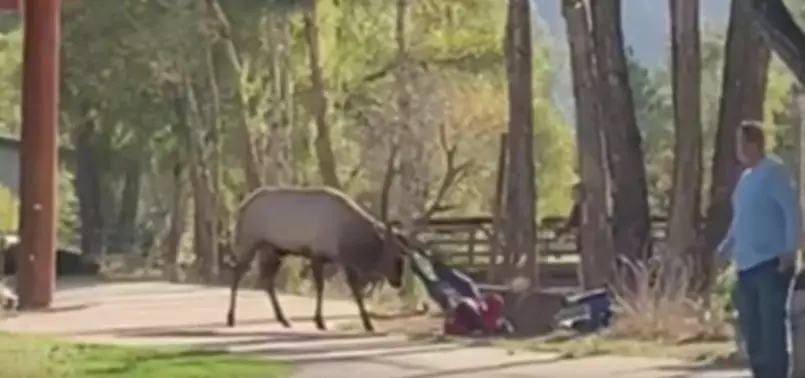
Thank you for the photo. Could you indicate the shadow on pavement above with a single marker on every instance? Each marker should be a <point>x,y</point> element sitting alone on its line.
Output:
<point>373,353</point>
<point>724,368</point>
<point>492,369</point>
<point>65,284</point>
<point>124,289</point>
<point>145,331</point>
<point>268,335</point>
<point>317,347</point>
<point>60,309</point>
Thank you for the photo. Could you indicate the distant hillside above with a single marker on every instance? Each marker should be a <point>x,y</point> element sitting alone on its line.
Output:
<point>646,30</point>
<point>645,24</point>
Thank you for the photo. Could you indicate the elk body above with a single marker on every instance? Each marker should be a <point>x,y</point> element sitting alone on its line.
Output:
<point>323,225</point>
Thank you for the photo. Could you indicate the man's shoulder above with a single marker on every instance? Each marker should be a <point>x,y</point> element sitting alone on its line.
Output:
<point>774,161</point>
<point>775,171</point>
<point>774,164</point>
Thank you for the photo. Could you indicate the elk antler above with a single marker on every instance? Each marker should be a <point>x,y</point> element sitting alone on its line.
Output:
<point>453,174</point>
<point>388,181</point>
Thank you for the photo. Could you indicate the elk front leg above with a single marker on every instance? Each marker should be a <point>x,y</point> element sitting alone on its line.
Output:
<point>317,268</point>
<point>270,263</point>
<point>238,270</point>
<point>356,286</point>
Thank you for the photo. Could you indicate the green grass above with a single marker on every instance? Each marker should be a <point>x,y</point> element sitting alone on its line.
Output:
<point>35,357</point>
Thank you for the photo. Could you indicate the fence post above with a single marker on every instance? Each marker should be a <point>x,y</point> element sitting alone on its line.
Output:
<point>497,212</point>
<point>471,247</point>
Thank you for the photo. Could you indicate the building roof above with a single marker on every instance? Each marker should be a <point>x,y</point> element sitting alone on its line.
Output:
<point>10,142</point>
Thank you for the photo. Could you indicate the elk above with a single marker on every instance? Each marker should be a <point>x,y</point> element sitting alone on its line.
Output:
<point>325,226</point>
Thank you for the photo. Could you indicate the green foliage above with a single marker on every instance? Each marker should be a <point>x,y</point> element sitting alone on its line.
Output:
<point>10,64</point>
<point>554,146</point>
<point>654,111</point>
<point>68,209</point>
<point>797,10</point>
<point>724,291</point>
<point>123,63</point>
<point>9,210</point>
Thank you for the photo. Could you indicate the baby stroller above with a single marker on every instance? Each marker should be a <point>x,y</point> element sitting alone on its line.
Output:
<point>466,310</point>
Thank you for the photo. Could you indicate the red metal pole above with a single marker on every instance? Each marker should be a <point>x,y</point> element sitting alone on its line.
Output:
<point>36,269</point>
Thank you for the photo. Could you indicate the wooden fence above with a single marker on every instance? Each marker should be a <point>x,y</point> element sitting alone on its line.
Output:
<point>468,244</point>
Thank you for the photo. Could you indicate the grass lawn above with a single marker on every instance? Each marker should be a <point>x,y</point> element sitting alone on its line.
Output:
<point>36,357</point>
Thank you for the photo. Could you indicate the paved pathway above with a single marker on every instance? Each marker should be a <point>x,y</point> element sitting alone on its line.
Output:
<point>159,313</point>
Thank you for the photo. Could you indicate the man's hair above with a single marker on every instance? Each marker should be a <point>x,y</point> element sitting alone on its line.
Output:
<point>752,132</point>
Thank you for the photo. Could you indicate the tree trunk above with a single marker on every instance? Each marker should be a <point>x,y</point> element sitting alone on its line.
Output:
<point>631,223</point>
<point>204,213</point>
<point>746,65</point>
<point>216,217</point>
<point>323,144</point>
<point>798,106</point>
<point>685,212</point>
<point>206,257</point>
<point>177,226</point>
<point>595,238</point>
<point>126,230</point>
<point>520,227</point>
<point>286,95</point>
<point>88,189</point>
<point>228,72</point>
<point>402,78</point>
<point>276,159</point>
<point>189,126</point>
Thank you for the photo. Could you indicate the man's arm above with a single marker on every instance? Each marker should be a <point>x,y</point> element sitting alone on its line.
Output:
<point>786,199</point>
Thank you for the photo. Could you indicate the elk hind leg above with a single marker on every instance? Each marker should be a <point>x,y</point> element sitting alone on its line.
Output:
<point>270,263</point>
<point>356,286</point>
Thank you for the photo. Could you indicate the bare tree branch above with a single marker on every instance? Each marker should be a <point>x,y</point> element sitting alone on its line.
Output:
<point>352,175</point>
<point>454,173</point>
<point>388,181</point>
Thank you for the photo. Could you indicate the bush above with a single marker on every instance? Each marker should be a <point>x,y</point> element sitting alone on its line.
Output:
<point>657,305</point>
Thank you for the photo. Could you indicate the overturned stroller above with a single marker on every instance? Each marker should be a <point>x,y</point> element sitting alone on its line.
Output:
<point>467,311</point>
<point>586,312</point>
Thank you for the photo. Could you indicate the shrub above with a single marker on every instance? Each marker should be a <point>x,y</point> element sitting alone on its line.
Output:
<point>657,305</point>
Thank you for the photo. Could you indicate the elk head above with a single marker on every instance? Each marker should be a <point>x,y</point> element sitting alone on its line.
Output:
<point>392,259</point>
<point>397,243</point>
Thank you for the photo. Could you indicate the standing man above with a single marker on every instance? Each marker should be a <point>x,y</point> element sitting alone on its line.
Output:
<point>762,240</point>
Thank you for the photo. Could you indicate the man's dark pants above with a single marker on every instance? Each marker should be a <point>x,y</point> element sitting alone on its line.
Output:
<point>761,299</point>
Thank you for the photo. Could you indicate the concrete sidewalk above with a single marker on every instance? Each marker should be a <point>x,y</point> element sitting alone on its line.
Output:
<point>161,313</point>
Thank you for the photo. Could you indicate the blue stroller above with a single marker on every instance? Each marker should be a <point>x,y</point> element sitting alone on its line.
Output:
<point>443,283</point>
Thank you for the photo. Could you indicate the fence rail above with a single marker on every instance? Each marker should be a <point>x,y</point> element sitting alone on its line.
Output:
<point>468,244</point>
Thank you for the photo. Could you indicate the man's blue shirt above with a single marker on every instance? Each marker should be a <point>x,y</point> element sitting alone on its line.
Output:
<point>765,216</point>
